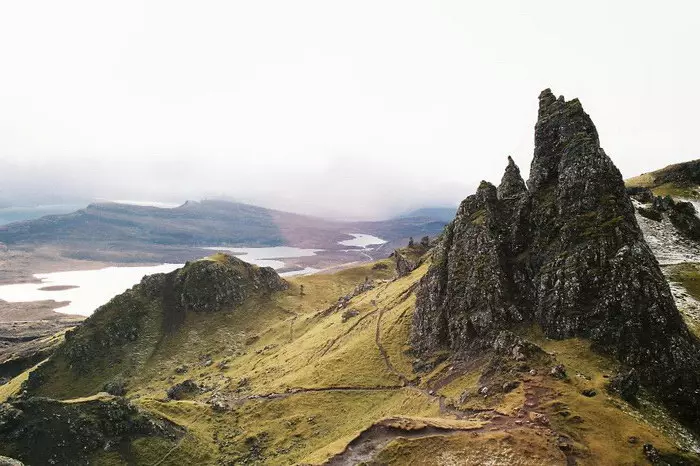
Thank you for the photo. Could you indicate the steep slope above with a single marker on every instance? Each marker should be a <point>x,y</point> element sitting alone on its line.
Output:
<point>567,254</point>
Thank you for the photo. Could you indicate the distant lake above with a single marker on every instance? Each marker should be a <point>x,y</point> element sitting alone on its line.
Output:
<point>85,289</point>
<point>362,240</point>
<point>89,289</point>
<point>267,257</point>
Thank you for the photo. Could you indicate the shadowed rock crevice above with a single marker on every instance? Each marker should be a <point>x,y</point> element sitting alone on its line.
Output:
<point>565,253</point>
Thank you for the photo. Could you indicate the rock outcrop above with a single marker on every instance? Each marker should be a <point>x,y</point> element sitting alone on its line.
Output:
<point>44,431</point>
<point>566,253</point>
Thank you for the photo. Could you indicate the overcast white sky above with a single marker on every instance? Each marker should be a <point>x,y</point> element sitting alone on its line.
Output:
<point>357,108</point>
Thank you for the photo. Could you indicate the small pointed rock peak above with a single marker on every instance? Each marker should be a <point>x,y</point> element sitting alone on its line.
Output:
<point>561,127</point>
<point>512,183</point>
<point>486,191</point>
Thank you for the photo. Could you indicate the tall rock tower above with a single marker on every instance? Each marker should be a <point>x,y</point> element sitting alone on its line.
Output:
<point>565,253</point>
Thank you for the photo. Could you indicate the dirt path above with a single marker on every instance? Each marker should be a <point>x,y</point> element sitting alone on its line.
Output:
<point>373,440</point>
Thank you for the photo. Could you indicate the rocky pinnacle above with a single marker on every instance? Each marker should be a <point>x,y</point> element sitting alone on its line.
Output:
<point>565,253</point>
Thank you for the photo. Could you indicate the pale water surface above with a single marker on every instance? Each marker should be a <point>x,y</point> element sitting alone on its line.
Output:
<point>94,287</point>
<point>362,240</point>
<point>267,257</point>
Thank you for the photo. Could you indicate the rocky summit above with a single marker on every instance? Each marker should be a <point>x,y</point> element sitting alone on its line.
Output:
<point>564,252</point>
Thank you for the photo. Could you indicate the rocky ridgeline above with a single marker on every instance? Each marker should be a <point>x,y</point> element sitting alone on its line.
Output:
<point>565,252</point>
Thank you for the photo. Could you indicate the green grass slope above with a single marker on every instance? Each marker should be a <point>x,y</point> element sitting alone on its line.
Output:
<point>681,180</point>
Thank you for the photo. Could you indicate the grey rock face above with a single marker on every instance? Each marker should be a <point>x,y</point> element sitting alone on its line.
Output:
<point>205,286</point>
<point>512,183</point>
<point>565,253</point>
<point>404,265</point>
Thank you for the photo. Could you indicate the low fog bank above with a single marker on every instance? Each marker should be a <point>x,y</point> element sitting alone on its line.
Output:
<point>342,190</point>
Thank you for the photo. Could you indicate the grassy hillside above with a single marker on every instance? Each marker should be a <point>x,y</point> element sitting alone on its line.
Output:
<point>679,180</point>
<point>303,378</point>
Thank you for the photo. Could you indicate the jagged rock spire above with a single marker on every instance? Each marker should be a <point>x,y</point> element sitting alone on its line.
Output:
<point>512,183</point>
<point>561,127</point>
<point>567,255</point>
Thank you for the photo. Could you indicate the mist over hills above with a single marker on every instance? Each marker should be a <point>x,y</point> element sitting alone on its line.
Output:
<point>203,223</point>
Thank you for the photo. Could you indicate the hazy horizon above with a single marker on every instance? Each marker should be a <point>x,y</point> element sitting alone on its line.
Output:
<point>360,110</point>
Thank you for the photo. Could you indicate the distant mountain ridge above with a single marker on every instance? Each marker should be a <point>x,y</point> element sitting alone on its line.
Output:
<point>443,214</point>
<point>203,223</point>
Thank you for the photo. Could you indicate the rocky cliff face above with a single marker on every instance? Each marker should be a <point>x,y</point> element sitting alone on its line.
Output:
<point>565,253</point>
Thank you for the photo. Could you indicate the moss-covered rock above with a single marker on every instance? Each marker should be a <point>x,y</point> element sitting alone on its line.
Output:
<point>45,431</point>
<point>567,254</point>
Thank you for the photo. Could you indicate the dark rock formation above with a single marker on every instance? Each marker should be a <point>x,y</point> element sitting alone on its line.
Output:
<point>512,183</point>
<point>643,195</point>
<point>183,390</point>
<point>209,285</point>
<point>651,214</point>
<point>626,385</point>
<point>566,253</point>
<point>404,265</point>
<point>43,431</point>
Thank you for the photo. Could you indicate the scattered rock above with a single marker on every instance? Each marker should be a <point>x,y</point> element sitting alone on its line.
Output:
<point>651,453</point>
<point>651,214</point>
<point>565,444</point>
<point>7,461</point>
<point>626,385</point>
<point>181,369</point>
<point>222,365</point>
<point>404,266</point>
<point>539,418</point>
<point>183,390</point>
<point>558,371</point>
<point>116,387</point>
<point>642,195</point>
<point>349,314</point>
<point>510,386</point>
